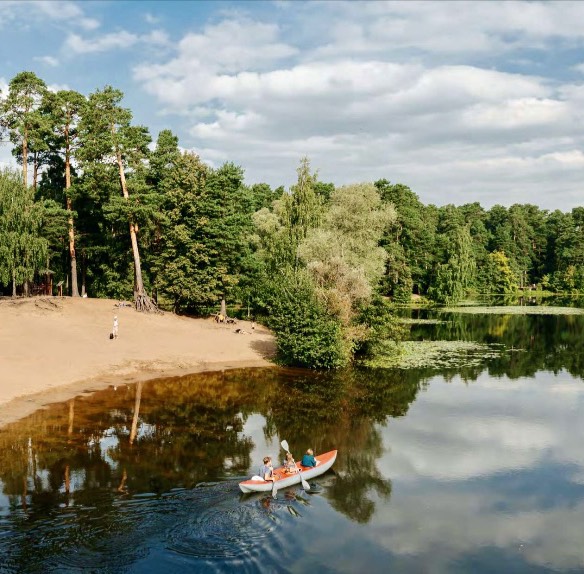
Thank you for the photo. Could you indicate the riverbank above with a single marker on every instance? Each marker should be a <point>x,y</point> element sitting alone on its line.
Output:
<point>54,348</point>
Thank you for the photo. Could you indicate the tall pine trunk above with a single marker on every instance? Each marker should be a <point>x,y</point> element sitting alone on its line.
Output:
<point>83,273</point>
<point>35,170</point>
<point>139,284</point>
<point>141,299</point>
<point>74,289</point>
<point>25,158</point>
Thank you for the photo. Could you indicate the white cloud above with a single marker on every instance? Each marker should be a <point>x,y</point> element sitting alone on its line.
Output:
<point>66,12</point>
<point>57,87</point>
<point>40,10</point>
<point>82,45</point>
<point>157,38</point>
<point>121,39</point>
<point>150,18</point>
<point>48,60</point>
<point>376,93</point>
<point>447,28</point>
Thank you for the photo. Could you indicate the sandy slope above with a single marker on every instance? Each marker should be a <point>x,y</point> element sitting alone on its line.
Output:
<point>54,348</point>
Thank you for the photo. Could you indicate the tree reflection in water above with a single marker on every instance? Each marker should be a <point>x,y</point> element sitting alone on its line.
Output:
<point>151,438</point>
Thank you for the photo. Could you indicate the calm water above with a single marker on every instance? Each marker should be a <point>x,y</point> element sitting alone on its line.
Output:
<point>479,470</point>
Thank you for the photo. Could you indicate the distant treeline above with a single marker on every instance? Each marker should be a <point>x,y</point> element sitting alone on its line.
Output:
<point>97,209</point>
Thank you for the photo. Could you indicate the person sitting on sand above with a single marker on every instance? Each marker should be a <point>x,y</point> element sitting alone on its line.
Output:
<point>308,459</point>
<point>290,464</point>
<point>267,470</point>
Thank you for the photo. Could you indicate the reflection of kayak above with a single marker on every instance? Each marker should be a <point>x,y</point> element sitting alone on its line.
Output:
<point>283,479</point>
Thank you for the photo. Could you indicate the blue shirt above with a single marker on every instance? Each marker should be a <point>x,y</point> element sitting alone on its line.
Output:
<point>265,469</point>
<point>308,460</point>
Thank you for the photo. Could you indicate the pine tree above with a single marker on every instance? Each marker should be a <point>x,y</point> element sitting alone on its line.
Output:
<point>65,109</point>
<point>19,113</point>
<point>108,137</point>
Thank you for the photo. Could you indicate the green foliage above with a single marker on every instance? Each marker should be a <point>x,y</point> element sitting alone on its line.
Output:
<point>202,250</point>
<point>500,277</point>
<point>181,266</point>
<point>453,277</point>
<point>23,251</point>
<point>20,114</point>
<point>414,230</point>
<point>381,326</point>
<point>343,255</point>
<point>300,210</point>
<point>306,336</point>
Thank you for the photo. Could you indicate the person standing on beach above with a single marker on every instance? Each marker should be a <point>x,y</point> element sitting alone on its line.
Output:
<point>115,331</point>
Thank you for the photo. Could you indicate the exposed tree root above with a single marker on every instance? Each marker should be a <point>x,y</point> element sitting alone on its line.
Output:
<point>144,304</point>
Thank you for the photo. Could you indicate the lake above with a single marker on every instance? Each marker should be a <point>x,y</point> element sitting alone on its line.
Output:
<point>476,466</point>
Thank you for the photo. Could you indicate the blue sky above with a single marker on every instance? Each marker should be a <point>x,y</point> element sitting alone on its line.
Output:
<point>462,101</point>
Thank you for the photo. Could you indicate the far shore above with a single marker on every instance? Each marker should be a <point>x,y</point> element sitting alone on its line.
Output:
<point>55,348</point>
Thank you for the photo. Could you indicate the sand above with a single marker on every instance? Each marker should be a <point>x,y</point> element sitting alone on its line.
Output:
<point>55,348</point>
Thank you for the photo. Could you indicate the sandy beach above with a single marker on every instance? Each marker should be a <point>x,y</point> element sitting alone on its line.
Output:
<point>54,348</point>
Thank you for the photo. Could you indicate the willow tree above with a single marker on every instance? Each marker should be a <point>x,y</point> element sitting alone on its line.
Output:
<point>23,252</point>
<point>19,112</point>
<point>107,136</point>
<point>343,255</point>
<point>65,109</point>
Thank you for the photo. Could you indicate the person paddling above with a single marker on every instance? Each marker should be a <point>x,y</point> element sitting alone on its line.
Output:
<point>290,464</point>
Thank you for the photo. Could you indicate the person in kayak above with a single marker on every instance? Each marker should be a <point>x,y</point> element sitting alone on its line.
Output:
<point>308,459</point>
<point>267,470</point>
<point>290,464</point>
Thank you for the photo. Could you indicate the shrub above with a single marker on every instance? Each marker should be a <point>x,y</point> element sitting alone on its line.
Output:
<point>381,326</point>
<point>306,336</point>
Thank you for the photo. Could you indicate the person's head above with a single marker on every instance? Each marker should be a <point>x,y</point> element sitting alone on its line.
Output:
<point>267,459</point>
<point>289,456</point>
<point>115,316</point>
<point>310,452</point>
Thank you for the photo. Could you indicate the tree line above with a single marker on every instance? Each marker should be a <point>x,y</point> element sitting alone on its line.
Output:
<point>101,207</point>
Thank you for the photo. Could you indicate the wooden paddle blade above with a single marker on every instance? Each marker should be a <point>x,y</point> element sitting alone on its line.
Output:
<point>305,484</point>
<point>274,490</point>
<point>285,446</point>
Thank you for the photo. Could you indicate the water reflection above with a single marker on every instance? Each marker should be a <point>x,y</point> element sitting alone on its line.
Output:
<point>477,469</point>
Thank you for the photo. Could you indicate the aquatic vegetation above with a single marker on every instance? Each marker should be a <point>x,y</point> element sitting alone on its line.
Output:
<point>434,354</point>
<point>411,321</point>
<point>514,310</point>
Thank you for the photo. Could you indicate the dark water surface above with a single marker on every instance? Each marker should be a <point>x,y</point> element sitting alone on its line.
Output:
<point>473,470</point>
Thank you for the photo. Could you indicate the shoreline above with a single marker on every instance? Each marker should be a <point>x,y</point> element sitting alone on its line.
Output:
<point>55,348</point>
<point>22,406</point>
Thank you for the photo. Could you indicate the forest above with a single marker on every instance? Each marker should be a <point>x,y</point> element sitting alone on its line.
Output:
<point>99,209</point>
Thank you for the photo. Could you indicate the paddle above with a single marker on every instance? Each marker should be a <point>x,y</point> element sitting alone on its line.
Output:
<point>305,484</point>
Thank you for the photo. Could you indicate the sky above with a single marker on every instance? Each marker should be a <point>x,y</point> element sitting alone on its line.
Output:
<point>461,101</point>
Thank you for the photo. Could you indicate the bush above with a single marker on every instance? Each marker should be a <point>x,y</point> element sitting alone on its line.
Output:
<point>381,326</point>
<point>306,336</point>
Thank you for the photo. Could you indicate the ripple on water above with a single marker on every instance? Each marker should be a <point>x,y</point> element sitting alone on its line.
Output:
<point>222,532</point>
<point>209,525</point>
